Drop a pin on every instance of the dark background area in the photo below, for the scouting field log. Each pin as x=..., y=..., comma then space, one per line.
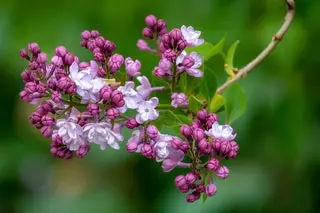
x=278, y=168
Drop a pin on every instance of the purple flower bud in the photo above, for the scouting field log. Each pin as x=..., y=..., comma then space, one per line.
x=99, y=57
x=180, y=180
x=109, y=47
x=152, y=131
x=179, y=100
x=83, y=43
x=61, y=51
x=112, y=113
x=86, y=34
x=95, y=33
x=115, y=62
x=60, y=150
x=93, y=109
x=24, y=54
x=166, y=41
x=45, y=107
x=170, y=55
x=204, y=147
x=30, y=87
x=83, y=150
x=146, y=150
x=67, y=85
x=194, y=196
x=117, y=98
x=151, y=21
x=59, y=73
x=158, y=72
x=147, y=32
x=143, y=45
x=100, y=42
x=198, y=134
x=195, y=124
x=42, y=58
x=234, y=146
x=47, y=120
x=184, y=189
x=56, y=97
x=231, y=154
x=176, y=34
x=213, y=164
x=132, y=67
x=91, y=44
x=84, y=65
x=25, y=96
x=131, y=123
x=222, y=172
x=28, y=76
x=52, y=84
x=57, y=61
x=202, y=114
x=132, y=147
x=200, y=188
x=187, y=63
x=176, y=143
x=211, y=119
x=46, y=131
x=191, y=177
x=168, y=165
x=105, y=93
x=41, y=88
x=161, y=27
x=225, y=147
x=181, y=45
x=211, y=189
x=34, y=48
x=186, y=131
x=35, y=117
x=69, y=59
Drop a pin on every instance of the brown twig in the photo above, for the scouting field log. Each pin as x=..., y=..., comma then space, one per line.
x=271, y=46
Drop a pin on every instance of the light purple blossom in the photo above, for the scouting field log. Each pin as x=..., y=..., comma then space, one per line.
x=102, y=134
x=194, y=69
x=191, y=36
x=132, y=67
x=88, y=84
x=131, y=97
x=146, y=110
x=221, y=132
x=145, y=88
x=179, y=100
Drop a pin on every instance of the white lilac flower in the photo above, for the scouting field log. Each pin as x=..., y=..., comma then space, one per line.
x=164, y=150
x=145, y=88
x=221, y=132
x=191, y=36
x=88, y=84
x=103, y=135
x=130, y=96
x=194, y=69
x=146, y=110
x=70, y=132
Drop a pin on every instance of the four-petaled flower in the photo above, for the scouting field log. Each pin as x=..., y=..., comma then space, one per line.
x=221, y=132
x=146, y=110
x=191, y=36
x=194, y=69
x=131, y=97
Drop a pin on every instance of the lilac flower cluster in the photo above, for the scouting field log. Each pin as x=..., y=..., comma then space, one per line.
x=83, y=103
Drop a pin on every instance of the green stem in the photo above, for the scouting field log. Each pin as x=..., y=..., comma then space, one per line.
x=173, y=85
x=164, y=106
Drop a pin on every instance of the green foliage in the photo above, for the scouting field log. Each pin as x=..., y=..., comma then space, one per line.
x=216, y=103
x=229, y=58
x=235, y=102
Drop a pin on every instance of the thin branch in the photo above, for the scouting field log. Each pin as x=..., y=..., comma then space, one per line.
x=271, y=46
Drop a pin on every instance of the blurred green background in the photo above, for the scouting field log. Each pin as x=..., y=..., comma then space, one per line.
x=278, y=169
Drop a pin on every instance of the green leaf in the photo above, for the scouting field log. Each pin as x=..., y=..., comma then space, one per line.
x=195, y=104
x=209, y=83
x=235, y=102
x=206, y=176
x=207, y=50
x=216, y=103
x=183, y=83
x=229, y=58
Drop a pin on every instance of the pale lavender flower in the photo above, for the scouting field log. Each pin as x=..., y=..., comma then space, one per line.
x=131, y=97
x=179, y=100
x=146, y=110
x=194, y=69
x=132, y=67
x=145, y=88
x=221, y=132
x=103, y=135
x=88, y=84
x=191, y=36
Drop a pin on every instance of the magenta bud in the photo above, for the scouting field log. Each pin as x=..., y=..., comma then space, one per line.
x=105, y=93
x=45, y=107
x=132, y=147
x=179, y=100
x=222, y=172
x=28, y=76
x=195, y=124
x=151, y=21
x=188, y=62
x=176, y=34
x=91, y=44
x=198, y=134
x=61, y=51
x=86, y=34
x=42, y=58
x=166, y=41
x=234, y=146
x=30, y=87
x=69, y=59
x=152, y=131
x=168, y=165
x=211, y=119
x=147, y=33
x=59, y=73
x=109, y=47
x=46, y=131
x=57, y=61
x=112, y=113
x=146, y=150
x=225, y=147
x=213, y=164
x=170, y=55
x=161, y=27
x=34, y=48
x=191, y=177
x=194, y=196
x=56, y=97
x=47, y=120
x=93, y=109
x=99, y=57
x=211, y=189
x=117, y=98
x=184, y=189
x=132, y=67
x=84, y=65
x=180, y=180
x=204, y=147
x=33, y=65
x=83, y=43
x=181, y=45
x=115, y=62
x=143, y=45
x=200, y=188
x=95, y=33
x=131, y=123
x=83, y=150
x=35, y=117
x=24, y=54
x=186, y=131
x=158, y=72
x=100, y=42
x=202, y=114
x=25, y=96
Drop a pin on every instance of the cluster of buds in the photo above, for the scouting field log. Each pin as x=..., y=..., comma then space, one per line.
x=83, y=103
